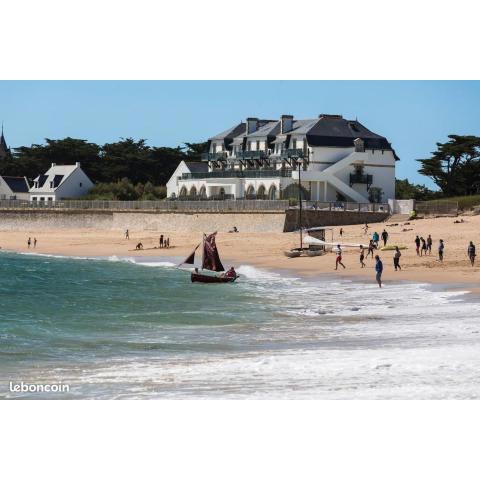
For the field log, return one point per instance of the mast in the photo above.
(203, 249)
(300, 205)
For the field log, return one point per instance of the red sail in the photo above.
(191, 258)
(211, 259)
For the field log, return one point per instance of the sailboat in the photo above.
(210, 262)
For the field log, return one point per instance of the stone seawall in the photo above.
(203, 222)
(22, 220)
(320, 218)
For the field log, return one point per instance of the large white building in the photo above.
(338, 159)
(60, 182)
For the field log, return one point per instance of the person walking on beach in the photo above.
(384, 237)
(441, 248)
(424, 247)
(378, 270)
(429, 244)
(341, 231)
(161, 240)
(127, 234)
(396, 259)
(365, 228)
(471, 253)
(375, 238)
(417, 244)
(34, 242)
(371, 246)
(338, 260)
(362, 256)
(29, 242)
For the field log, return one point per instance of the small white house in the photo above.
(14, 188)
(185, 170)
(60, 182)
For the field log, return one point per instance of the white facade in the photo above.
(60, 182)
(339, 160)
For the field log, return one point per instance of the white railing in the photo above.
(345, 206)
(149, 205)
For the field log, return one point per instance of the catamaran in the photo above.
(210, 262)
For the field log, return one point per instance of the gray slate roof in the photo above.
(17, 184)
(197, 167)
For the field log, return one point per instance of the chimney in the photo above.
(54, 164)
(286, 123)
(252, 125)
(77, 164)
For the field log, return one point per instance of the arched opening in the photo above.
(183, 192)
(203, 192)
(250, 192)
(193, 191)
(222, 192)
(272, 192)
(261, 192)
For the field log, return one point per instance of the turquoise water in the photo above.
(113, 328)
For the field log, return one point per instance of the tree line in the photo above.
(125, 170)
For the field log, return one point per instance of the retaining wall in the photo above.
(201, 222)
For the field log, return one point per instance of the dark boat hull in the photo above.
(198, 277)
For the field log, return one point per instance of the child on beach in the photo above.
(29, 242)
(365, 228)
(375, 238)
(471, 253)
(362, 255)
(396, 259)
(429, 244)
(127, 234)
(338, 260)
(424, 247)
(167, 242)
(417, 245)
(34, 242)
(378, 270)
(441, 248)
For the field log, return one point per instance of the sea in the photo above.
(125, 328)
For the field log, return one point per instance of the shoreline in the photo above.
(265, 250)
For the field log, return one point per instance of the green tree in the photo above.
(455, 165)
(404, 190)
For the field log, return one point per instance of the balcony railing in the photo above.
(238, 174)
(361, 178)
(292, 152)
(206, 157)
(252, 155)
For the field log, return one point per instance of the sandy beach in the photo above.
(265, 250)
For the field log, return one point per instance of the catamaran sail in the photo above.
(211, 258)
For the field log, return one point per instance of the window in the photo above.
(258, 145)
(51, 184)
(42, 199)
(214, 147)
(249, 146)
(294, 143)
(80, 184)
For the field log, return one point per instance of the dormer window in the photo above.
(294, 144)
(51, 184)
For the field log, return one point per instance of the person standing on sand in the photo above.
(365, 228)
(396, 259)
(362, 256)
(441, 248)
(29, 242)
(424, 247)
(34, 242)
(384, 237)
(371, 246)
(429, 244)
(375, 238)
(338, 260)
(379, 270)
(417, 244)
(471, 253)
(167, 242)
(341, 231)
(127, 234)
(161, 240)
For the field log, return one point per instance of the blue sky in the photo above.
(412, 115)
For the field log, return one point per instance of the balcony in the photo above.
(207, 157)
(238, 174)
(252, 155)
(361, 178)
(292, 153)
